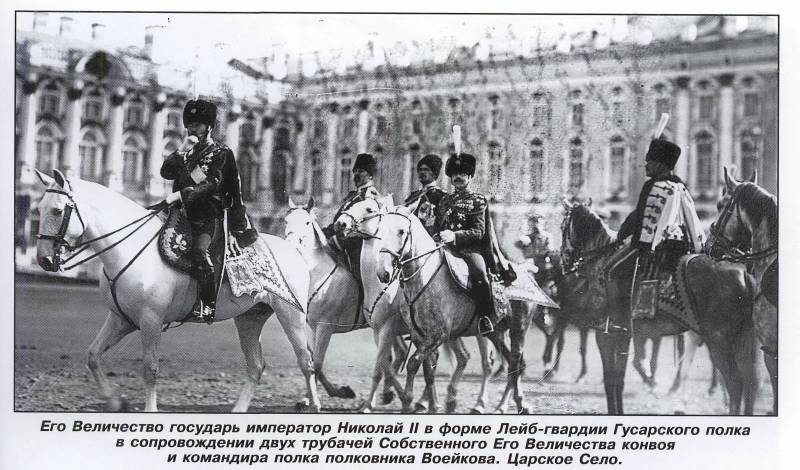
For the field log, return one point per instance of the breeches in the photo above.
(477, 267)
(203, 232)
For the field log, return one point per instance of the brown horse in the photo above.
(749, 218)
(722, 294)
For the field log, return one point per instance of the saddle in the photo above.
(665, 291)
(175, 246)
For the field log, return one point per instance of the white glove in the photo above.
(188, 143)
(174, 197)
(447, 236)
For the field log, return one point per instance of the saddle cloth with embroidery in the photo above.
(523, 288)
(673, 297)
(175, 242)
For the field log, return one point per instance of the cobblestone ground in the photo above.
(202, 368)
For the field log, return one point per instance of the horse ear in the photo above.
(754, 176)
(46, 180)
(59, 178)
(566, 203)
(589, 204)
(310, 204)
(730, 184)
(292, 205)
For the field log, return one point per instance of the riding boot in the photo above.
(206, 289)
(484, 306)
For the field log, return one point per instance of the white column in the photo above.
(298, 187)
(331, 157)
(114, 155)
(725, 124)
(155, 184)
(27, 147)
(363, 126)
(232, 129)
(72, 159)
(265, 149)
(682, 125)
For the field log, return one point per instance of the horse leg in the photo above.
(584, 334)
(639, 352)
(722, 358)
(322, 339)
(560, 341)
(400, 351)
(113, 330)
(654, 359)
(520, 322)
(249, 325)
(411, 372)
(384, 335)
(151, 337)
(462, 357)
(614, 347)
(294, 325)
(486, 367)
(429, 370)
(680, 347)
(771, 361)
(745, 351)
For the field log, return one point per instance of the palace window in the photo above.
(132, 154)
(317, 174)
(247, 134)
(536, 167)
(752, 105)
(50, 100)
(577, 114)
(345, 172)
(706, 161)
(750, 148)
(93, 107)
(663, 105)
(496, 166)
(706, 108)
(134, 115)
(91, 154)
(249, 170)
(46, 145)
(174, 121)
(576, 165)
(540, 111)
(617, 165)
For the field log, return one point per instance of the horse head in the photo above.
(60, 221)
(362, 218)
(301, 224)
(582, 229)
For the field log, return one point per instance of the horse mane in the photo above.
(88, 189)
(587, 224)
(759, 205)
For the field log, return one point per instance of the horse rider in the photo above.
(538, 247)
(206, 182)
(363, 173)
(425, 200)
(663, 227)
(461, 223)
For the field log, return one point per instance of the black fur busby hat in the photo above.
(433, 162)
(366, 162)
(664, 151)
(461, 163)
(202, 111)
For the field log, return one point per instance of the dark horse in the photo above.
(722, 293)
(746, 231)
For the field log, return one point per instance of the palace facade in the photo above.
(560, 122)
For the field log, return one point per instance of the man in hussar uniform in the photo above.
(663, 227)
(425, 200)
(461, 223)
(206, 182)
(363, 173)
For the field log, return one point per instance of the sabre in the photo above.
(662, 124)
(457, 138)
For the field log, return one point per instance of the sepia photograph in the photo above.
(291, 213)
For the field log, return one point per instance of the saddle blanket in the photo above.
(250, 271)
(523, 288)
(254, 270)
(674, 298)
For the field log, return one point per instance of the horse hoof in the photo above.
(366, 410)
(524, 410)
(420, 408)
(346, 392)
(450, 406)
(387, 397)
(580, 380)
(476, 411)
(117, 405)
(301, 406)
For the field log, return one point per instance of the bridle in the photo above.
(572, 258)
(59, 238)
(730, 249)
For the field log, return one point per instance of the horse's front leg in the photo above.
(293, 322)
(462, 357)
(113, 330)
(486, 368)
(384, 337)
(150, 324)
(614, 347)
(249, 325)
(322, 338)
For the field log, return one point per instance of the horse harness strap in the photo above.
(113, 282)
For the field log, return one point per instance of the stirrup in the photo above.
(485, 326)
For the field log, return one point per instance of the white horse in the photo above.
(334, 299)
(146, 293)
(441, 311)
